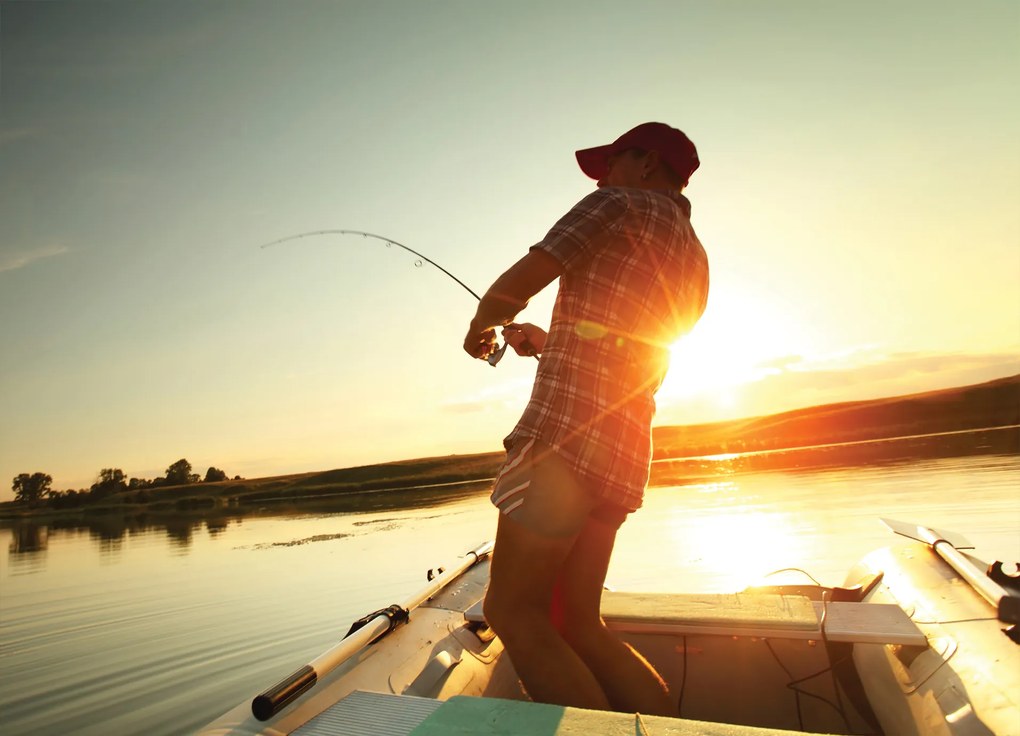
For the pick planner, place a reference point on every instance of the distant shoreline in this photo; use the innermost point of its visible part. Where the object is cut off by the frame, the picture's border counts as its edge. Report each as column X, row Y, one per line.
column 664, row 471
column 980, row 419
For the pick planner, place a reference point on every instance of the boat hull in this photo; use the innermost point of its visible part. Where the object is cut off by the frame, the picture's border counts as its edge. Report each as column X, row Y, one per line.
column 967, row 680
column 906, row 647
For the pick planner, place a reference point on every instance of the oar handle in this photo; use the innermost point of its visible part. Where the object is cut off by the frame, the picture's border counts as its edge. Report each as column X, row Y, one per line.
column 979, row 580
column 271, row 701
column 268, row 703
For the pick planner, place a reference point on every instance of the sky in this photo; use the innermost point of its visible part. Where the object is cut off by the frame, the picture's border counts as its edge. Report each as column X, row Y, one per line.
column 857, row 198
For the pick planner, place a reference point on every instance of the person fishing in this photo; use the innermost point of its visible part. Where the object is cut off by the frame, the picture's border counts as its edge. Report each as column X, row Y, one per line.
column 633, row 278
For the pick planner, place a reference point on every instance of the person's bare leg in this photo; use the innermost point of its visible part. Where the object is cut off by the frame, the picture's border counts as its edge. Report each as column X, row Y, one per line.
column 630, row 683
column 525, row 566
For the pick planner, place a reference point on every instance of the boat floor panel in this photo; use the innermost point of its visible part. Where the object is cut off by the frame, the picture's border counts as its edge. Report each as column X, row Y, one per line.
column 362, row 712
column 467, row 716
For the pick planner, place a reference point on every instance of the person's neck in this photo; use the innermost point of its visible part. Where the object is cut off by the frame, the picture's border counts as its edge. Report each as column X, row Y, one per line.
column 653, row 182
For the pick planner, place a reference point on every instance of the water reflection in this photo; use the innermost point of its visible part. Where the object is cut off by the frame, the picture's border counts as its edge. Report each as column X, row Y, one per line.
column 216, row 527
column 179, row 532
column 29, row 538
column 108, row 531
column 741, row 546
column 109, row 549
column 27, row 549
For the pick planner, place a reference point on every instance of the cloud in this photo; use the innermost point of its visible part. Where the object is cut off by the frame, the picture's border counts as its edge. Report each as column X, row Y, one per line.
column 16, row 260
column 504, row 396
column 466, row 407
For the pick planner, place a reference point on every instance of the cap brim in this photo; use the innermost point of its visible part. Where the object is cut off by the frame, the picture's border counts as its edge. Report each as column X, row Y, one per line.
column 594, row 162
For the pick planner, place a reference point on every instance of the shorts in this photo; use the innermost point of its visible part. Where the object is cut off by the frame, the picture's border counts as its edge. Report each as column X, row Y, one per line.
column 538, row 489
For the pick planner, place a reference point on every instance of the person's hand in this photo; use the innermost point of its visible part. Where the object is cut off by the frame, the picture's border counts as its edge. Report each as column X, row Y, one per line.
column 525, row 338
column 480, row 342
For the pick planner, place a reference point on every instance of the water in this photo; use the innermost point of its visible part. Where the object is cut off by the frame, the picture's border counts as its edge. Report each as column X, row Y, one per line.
column 160, row 630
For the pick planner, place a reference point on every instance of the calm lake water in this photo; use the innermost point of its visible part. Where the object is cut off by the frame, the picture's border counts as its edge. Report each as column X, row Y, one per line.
column 160, row 630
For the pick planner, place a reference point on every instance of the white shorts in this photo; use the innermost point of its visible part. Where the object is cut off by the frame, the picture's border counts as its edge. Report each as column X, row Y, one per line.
column 537, row 488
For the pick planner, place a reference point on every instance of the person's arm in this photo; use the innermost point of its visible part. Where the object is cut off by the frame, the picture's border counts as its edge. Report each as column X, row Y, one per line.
column 508, row 295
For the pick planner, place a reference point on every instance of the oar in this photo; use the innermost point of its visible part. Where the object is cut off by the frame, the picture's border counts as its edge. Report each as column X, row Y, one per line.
column 947, row 545
column 271, row 701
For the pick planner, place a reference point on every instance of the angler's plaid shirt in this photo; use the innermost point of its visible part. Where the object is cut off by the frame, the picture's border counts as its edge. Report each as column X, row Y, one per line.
column 635, row 279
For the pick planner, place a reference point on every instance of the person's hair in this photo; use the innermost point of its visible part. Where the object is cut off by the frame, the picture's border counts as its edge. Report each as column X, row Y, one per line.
column 676, row 181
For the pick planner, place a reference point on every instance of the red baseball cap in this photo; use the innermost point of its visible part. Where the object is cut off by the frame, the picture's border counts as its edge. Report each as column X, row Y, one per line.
column 673, row 147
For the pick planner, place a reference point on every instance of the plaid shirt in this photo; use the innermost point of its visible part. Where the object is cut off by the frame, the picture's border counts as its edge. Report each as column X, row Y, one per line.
column 635, row 279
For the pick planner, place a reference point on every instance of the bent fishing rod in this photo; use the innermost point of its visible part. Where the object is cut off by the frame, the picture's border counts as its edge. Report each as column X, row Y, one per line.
column 493, row 358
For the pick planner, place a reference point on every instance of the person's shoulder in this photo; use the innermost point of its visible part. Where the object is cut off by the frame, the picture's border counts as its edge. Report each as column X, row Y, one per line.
column 601, row 204
column 604, row 196
column 635, row 197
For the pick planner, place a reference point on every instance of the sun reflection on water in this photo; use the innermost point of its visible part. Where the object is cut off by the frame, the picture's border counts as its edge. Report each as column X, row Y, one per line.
column 738, row 547
column 722, row 539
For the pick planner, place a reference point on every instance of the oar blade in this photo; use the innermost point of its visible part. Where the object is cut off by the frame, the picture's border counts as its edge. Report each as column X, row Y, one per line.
column 927, row 534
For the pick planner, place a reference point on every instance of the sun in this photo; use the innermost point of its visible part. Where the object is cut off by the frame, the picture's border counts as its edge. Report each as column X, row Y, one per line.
column 741, row 338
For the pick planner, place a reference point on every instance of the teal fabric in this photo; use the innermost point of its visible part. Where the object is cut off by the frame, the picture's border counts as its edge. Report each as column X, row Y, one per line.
column 470, row 716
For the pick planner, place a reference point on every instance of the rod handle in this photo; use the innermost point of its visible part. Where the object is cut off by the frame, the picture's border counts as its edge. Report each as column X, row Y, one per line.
column 272, row 701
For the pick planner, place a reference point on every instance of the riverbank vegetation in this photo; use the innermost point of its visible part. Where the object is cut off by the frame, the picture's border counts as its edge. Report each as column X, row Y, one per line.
column 798, row 438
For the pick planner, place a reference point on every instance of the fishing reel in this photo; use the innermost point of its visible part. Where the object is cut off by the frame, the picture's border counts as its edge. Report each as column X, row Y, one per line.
column 497, row 355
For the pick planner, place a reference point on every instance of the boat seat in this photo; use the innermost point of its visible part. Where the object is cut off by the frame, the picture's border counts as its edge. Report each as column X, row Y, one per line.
column 752, row 614
column 759, row 614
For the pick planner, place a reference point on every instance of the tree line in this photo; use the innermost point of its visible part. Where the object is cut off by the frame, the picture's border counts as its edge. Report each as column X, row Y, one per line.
column 35, row 488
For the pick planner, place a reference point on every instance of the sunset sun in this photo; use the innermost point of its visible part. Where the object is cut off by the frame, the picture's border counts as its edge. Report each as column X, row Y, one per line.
column 739, row 340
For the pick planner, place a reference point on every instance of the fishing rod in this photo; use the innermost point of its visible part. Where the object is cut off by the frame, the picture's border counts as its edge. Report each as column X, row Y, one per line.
column 387, row 241
column 493, row 358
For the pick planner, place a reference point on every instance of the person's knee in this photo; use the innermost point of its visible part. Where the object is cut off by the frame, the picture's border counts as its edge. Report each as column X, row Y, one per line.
column 513, row 618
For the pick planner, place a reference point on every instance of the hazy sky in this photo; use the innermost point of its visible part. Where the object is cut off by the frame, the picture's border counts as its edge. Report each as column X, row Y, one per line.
column 857, row 197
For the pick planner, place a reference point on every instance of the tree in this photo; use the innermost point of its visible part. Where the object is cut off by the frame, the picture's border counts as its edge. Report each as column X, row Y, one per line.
column 67, row 499
column 111, row 480
column 212, row 475
column 31, row 488
column 179, row 473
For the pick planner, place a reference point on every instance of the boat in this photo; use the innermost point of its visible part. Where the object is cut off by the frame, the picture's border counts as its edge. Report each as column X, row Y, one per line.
column 921, row 639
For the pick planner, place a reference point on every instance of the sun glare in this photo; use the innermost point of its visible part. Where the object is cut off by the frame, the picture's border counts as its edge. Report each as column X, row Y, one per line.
column 719, row 535
column 736, row 548
column 737, row 342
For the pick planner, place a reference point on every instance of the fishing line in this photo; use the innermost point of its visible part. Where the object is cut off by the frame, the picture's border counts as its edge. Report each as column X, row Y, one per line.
column 493, row 358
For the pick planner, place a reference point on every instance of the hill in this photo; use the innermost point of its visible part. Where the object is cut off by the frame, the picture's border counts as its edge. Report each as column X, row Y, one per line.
column 992, row 404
